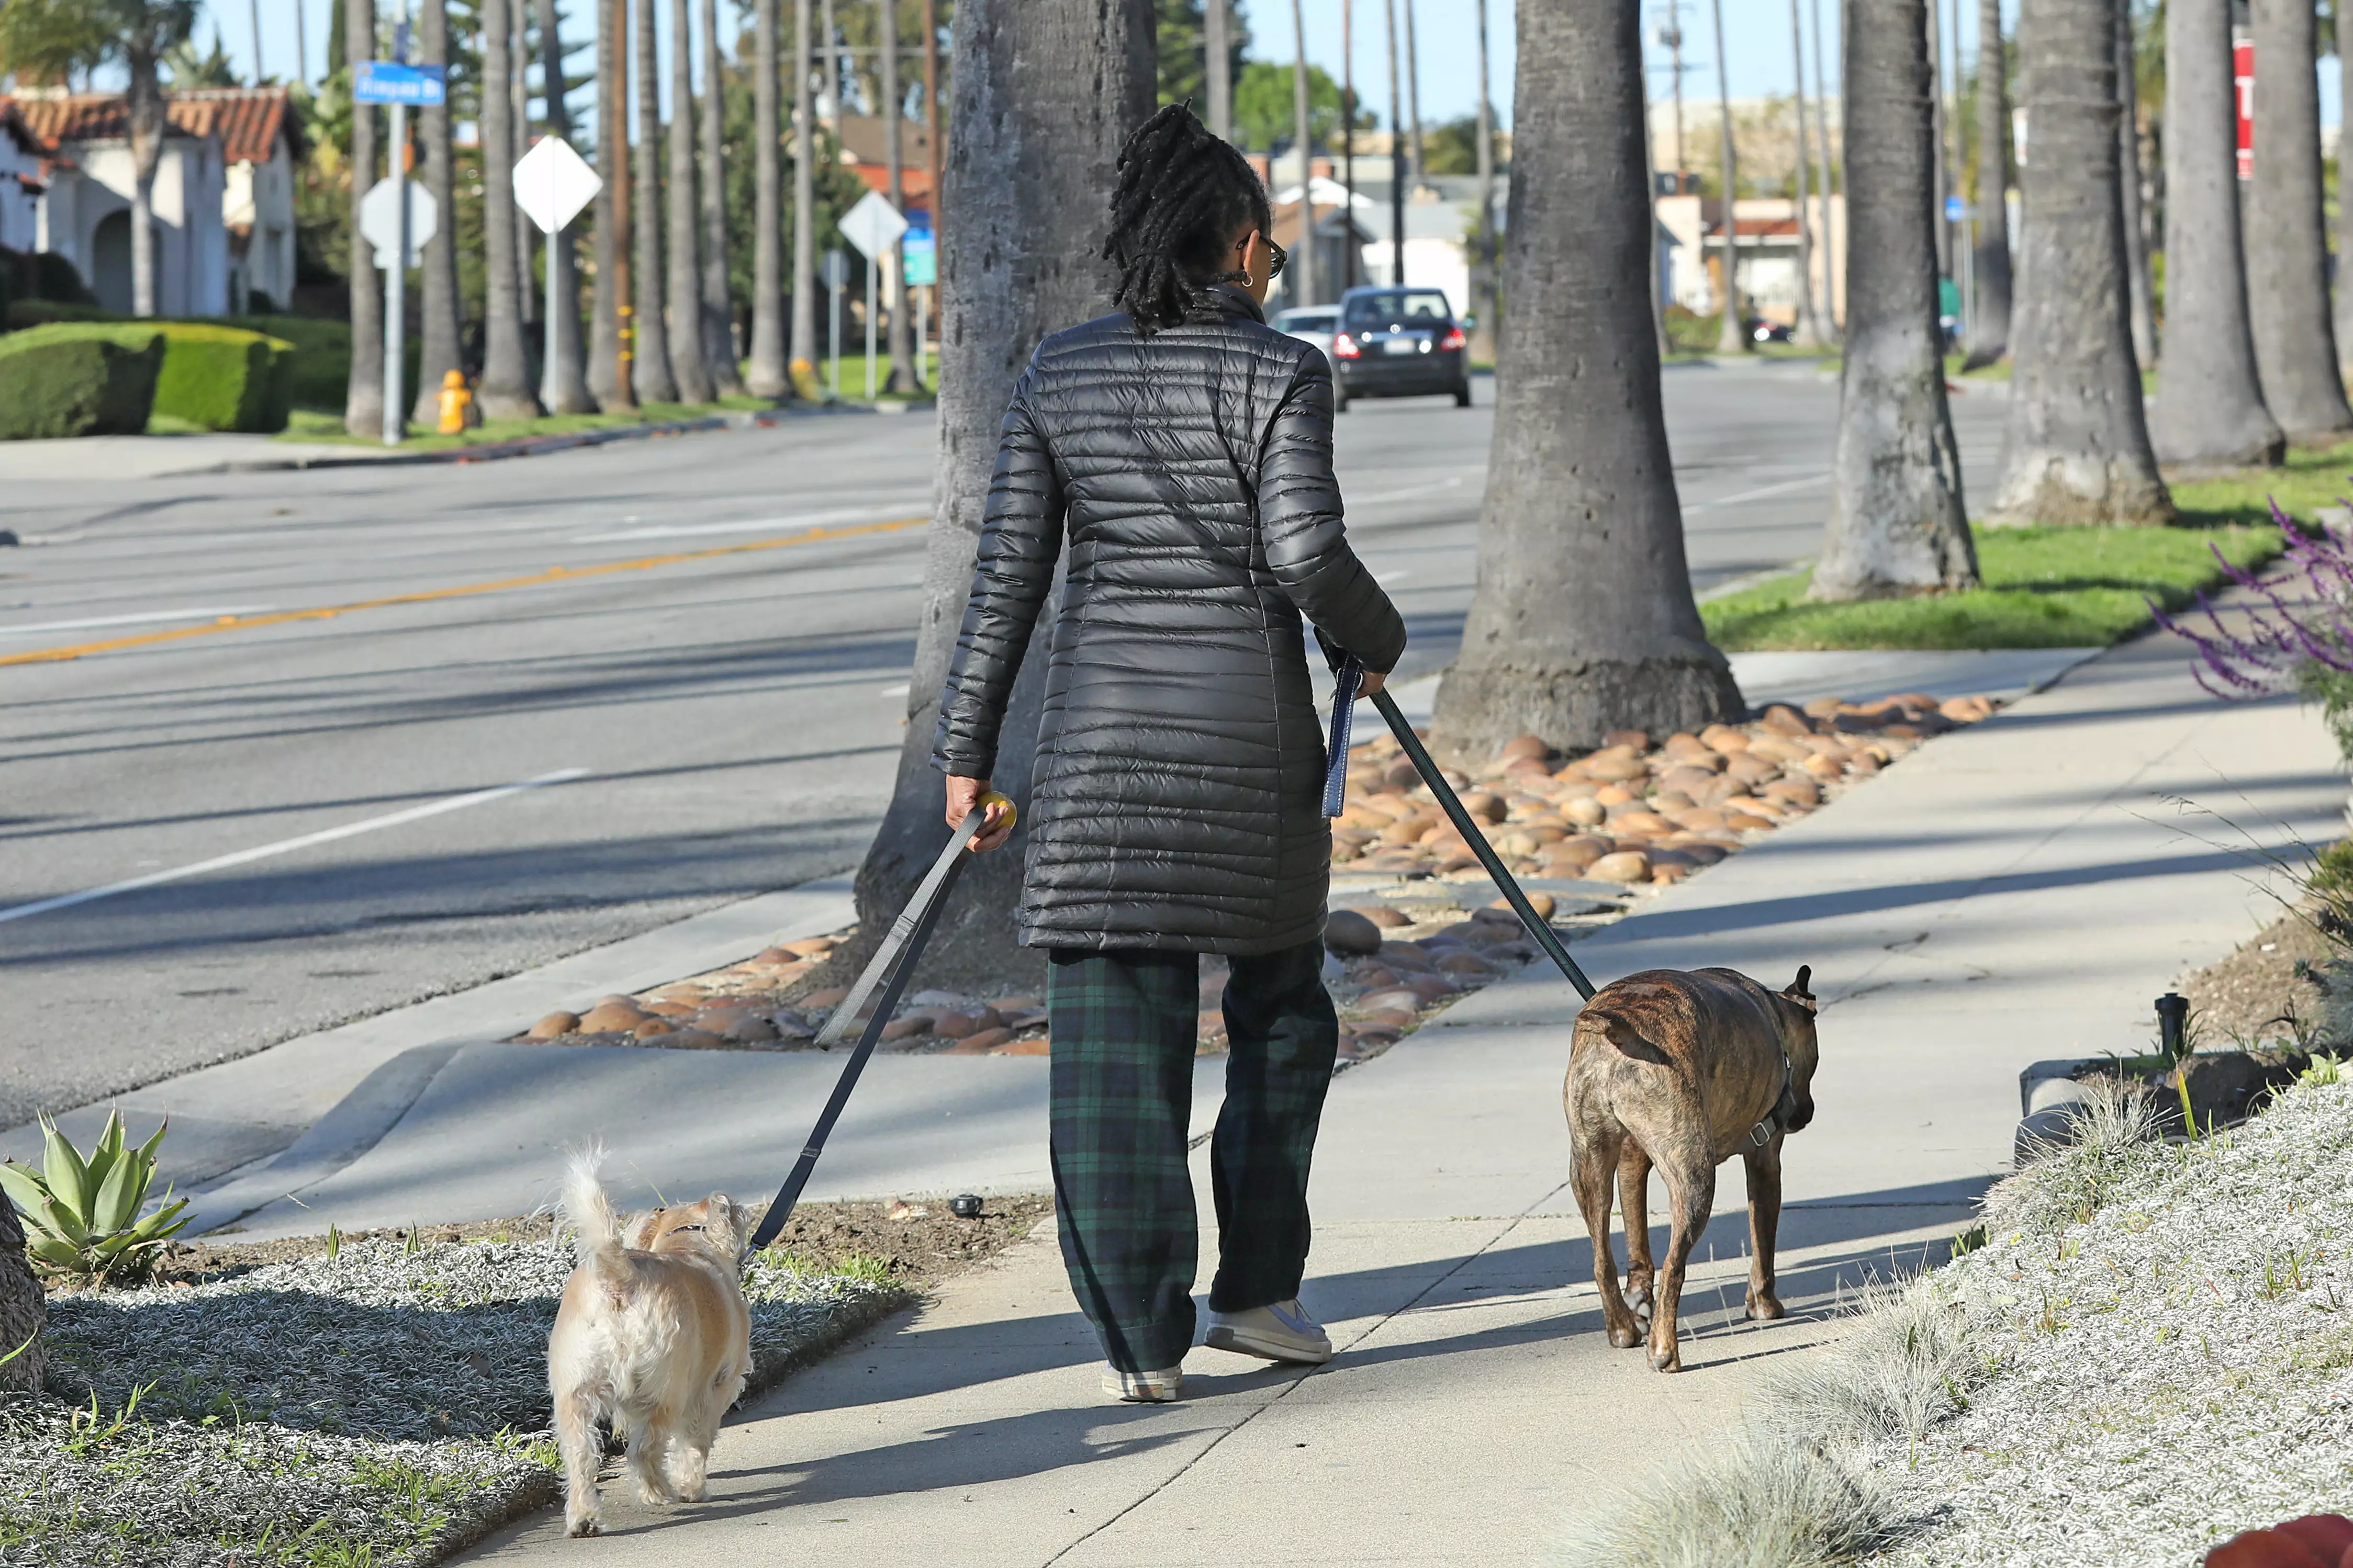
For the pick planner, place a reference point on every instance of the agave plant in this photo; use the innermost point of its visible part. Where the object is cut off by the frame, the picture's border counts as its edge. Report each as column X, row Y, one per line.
column 81, row 1215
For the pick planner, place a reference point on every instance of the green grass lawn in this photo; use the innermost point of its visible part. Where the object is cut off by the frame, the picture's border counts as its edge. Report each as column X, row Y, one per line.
column 2045, row 588
column 2312, row 478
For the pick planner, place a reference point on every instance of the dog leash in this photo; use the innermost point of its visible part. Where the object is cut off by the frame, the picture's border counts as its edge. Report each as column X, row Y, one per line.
column 893, row 963
column 1348, row 678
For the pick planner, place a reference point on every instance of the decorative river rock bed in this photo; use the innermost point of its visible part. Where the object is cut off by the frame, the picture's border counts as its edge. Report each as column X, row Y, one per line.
column 1415, row 921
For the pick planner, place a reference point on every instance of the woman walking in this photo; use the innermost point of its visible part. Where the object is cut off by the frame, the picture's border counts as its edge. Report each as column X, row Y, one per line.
column 1184, row 451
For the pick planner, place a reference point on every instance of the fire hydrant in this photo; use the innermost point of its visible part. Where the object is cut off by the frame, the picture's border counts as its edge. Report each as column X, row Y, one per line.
column 456, row 402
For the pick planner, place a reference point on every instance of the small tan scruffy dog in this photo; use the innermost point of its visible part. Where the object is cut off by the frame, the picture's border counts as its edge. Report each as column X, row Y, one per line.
column 653, row 1335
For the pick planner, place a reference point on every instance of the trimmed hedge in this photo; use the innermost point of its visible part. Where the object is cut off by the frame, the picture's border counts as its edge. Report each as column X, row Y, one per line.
column 225, row 378
column 78, row 379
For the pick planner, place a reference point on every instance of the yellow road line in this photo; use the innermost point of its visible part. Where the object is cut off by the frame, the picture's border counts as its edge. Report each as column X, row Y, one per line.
column 552, row 574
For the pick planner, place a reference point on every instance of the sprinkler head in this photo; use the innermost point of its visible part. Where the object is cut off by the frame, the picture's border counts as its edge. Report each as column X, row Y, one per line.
column 964, row 1206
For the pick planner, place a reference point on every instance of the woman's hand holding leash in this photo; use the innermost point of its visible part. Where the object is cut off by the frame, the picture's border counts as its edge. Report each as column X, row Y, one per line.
column 968, row 795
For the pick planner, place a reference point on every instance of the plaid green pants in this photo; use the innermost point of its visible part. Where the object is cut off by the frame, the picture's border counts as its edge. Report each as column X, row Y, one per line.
column 1125, row 1024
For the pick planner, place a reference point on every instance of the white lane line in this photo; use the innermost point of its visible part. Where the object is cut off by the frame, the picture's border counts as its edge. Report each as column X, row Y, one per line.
column 1404, row 492
column 881, row 512
column 140, row 619
column 1758, row 494
column 288, row 846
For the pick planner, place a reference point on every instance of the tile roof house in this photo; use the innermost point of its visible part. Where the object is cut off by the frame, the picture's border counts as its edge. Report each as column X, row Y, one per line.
column 24, row 166
column 223, row 198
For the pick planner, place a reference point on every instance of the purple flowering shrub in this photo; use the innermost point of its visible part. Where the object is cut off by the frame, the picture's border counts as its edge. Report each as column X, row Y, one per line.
column 2298, row 636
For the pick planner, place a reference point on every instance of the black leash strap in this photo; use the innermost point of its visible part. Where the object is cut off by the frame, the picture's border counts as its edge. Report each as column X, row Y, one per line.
column 892, row 964
column 1344, row 683
column 1538, row 927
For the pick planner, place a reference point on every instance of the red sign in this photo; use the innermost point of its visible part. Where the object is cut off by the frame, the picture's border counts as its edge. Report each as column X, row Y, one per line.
column 2242, row 81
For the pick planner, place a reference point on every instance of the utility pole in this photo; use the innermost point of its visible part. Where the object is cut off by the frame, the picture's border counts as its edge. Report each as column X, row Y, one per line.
column 933, row 163
column 1397, row 166
column 802, row 349
column 1810, row 332
column 1304, row 261
column 1730, row 336
column 1484, row 295
column 1675, row 58
column 832, row 72
column 1348, row 147
column 1413, row 92
column 1833, row 269
column 1218, row 63
column 1944, row 164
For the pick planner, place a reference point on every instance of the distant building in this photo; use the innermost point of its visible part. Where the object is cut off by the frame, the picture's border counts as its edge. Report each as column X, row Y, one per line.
column 25, row 169
column 1691, row 245
column 1441, row 220
column 862, row 149
column 223, row 197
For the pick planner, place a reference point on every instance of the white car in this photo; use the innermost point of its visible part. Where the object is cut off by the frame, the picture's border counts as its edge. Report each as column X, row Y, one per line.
column 1317, row 324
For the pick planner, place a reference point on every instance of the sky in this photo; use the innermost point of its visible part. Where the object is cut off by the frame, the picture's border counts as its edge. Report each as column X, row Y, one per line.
column 1757, row 50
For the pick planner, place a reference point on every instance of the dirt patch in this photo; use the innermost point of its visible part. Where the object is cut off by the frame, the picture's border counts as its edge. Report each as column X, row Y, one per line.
column 916, row 1244
column 2264, row 991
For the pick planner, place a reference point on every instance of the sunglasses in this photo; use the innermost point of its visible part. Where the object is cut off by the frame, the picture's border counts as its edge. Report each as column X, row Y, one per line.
column 1276, row 257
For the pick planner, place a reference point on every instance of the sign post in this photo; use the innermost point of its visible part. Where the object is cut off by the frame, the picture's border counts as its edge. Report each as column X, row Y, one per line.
column 552, row 184
column 407, row 223
column 836, row 272
column 2242, row 84
column 873, row 225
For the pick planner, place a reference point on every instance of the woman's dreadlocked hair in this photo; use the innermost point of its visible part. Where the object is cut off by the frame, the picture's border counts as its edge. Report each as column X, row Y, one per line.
column 1183, row 195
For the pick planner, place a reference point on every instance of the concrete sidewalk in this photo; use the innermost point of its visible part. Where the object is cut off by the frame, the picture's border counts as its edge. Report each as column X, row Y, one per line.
column 2019, row 890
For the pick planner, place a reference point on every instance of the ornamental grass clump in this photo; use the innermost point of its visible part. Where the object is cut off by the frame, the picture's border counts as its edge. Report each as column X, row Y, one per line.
column 81, row 1214
column 2299, row 637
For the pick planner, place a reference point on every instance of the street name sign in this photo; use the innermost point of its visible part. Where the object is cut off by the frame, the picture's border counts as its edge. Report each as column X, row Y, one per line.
column 553, row 182
column 380, row 218
column 388, row 81
column 833, row 269
column 872, row 225
column 919, row 257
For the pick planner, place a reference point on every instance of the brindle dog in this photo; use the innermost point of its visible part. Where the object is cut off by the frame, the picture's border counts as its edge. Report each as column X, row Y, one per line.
column 1683, row 1070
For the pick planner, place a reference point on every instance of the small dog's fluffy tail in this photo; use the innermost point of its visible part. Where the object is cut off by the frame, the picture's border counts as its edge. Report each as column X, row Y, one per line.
column 596, row 1228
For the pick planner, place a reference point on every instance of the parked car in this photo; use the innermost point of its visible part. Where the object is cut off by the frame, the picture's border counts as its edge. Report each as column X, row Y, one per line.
column 1764, row 331
column 1399, row 342
column 1314, row 324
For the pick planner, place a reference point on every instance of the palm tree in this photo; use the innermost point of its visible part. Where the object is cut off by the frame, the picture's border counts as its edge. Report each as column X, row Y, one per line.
column 364, row 388
column 2210, row 404
column 24, row 1309
column 805, row 155
column 1046, row 91
column 1731, row 335
column 1810, row 327
column 51, row 40
column 2344, row 208
column 2287, row 258
column 608, row 366
column 767, row 376
column 904, row 376
column 1990, row 321
column 2078, row 448
column 718, row 310
column 2128, row 161
column 562, row 387
column 444, row 333
column 687, row 363
column 1583, row 621
column 505, row 392
column 650, row 370
column 1897, row 525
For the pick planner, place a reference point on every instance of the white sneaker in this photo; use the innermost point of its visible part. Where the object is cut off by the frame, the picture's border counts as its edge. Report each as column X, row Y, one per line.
column 1143, row 1387
column 1281, row 1332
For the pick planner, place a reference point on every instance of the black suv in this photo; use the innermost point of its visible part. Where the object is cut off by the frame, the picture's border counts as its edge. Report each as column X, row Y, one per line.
column 1397, row 342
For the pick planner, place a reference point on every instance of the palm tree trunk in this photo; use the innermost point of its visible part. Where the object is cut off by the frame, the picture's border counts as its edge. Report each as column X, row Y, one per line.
column 1045, row 90
column 1897, row 524
column 444, row 333
column 1302, row 254
column 505, row 392
column 1583, row 621
column 2210, row 404
column 562, row 386
column 2288, row 253
column 687, row 363
column 650, row 370
column 146, row 153
column 24, row 1309
column 2077, row 446
column 519, row 123
column 2129, row 162
column 718, row 297
column 364, row 388
column 1731, row 331
column 608, row 371
column 805, row 155
column 904, row 376
column 2344, row 317
column 1834, row 184
column 1990, row 322
column 1810, row 327
column 766, row 376
column 1217, row 62
column 1485, row 302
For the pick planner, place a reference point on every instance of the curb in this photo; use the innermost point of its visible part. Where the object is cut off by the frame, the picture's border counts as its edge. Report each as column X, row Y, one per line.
column 538, row 445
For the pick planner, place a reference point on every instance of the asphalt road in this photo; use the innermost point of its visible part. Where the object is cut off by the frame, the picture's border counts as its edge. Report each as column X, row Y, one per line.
column 578, row 719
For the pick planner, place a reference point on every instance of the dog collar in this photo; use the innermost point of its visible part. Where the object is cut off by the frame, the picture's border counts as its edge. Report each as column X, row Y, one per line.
column 1762, row 1133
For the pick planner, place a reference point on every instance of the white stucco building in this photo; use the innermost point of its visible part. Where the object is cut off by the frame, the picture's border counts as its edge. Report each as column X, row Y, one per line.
column 223, row 196
column 24, row 175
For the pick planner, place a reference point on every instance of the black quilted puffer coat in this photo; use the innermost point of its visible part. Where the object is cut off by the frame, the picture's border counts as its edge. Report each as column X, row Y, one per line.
column 1177, row 800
